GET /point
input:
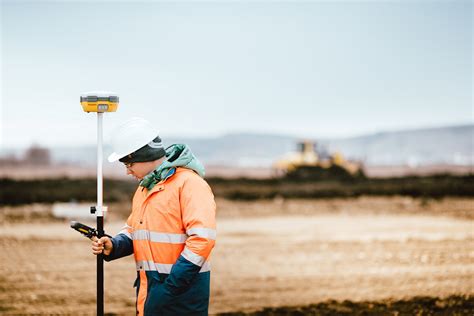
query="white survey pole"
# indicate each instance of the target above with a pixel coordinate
(100, 187)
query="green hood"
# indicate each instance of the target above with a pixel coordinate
(177, 155)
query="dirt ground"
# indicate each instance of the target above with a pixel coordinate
(268, 254)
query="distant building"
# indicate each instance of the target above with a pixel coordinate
(38, 156)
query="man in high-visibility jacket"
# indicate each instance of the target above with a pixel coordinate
(171, 229)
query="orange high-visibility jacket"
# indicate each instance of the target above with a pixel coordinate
(171, 232)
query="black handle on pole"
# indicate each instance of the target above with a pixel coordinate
(100, 270)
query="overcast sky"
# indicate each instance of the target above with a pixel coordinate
(311, 69)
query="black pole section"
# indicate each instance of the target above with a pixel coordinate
(100, 270)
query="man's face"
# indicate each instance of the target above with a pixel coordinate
(139, 169)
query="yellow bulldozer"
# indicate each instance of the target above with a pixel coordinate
(310, 163)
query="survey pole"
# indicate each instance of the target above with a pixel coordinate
(100, 102)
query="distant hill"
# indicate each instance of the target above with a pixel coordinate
(242, 150)
(444, 145)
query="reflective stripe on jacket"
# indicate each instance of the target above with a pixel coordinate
(171, 232)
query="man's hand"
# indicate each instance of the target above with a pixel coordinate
(103, 245)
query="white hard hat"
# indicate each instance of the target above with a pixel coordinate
(131, 136)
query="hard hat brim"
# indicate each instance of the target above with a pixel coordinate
(114, 157)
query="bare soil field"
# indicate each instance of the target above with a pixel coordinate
(268, 254)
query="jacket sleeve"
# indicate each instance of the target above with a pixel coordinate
(122, 244)
(198, 210)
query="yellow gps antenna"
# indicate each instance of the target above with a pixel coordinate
(99, 102)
